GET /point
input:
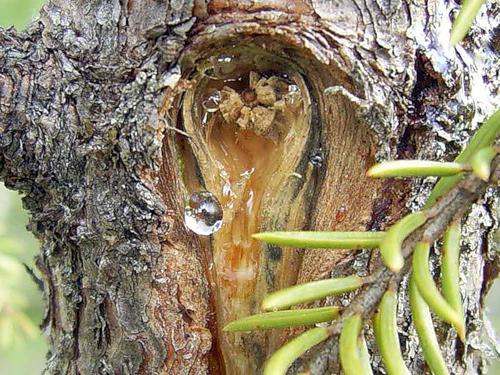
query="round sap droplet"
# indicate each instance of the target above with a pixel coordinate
(203, 214)
(211, 103)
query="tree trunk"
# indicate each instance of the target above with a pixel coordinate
(100, 129)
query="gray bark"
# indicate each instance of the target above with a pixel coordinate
(82, 98)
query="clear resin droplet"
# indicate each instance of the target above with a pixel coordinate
(317, 158)
(203, 214)
(211, 103)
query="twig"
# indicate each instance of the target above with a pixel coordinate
(177, 130)
(34, 277)
(452, 204)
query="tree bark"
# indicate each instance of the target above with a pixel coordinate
(88, 95)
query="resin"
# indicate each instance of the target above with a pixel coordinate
(249, 122)
(203, 214)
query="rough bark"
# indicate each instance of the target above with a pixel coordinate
(83, 93)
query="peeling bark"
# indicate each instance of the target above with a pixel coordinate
(84, 93)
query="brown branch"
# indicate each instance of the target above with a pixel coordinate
(453, 204)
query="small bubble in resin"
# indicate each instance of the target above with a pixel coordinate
(211, 103)
(203, 214)
(317, 158)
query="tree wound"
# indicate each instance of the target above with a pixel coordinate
(248, 118)
(270, 148)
